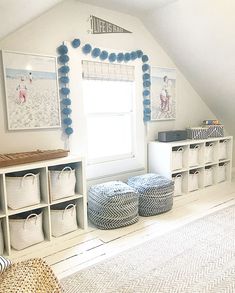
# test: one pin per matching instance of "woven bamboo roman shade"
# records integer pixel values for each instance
(107, 71)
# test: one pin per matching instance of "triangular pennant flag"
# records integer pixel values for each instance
(101, 26)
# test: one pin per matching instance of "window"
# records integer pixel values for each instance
(109, 99)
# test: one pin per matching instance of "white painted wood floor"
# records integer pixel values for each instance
(97, 245)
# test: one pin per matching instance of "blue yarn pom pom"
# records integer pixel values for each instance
(65, 91)
(146, 83)
(145, 67)
(146, 102)
(139, 53)
(76, 43)
(120, 57)
(95, 52)
(112, 57)
(146, 93)
(67, 121)
(146, 76)
(62, 49)
(133, 55)
(69, 130)
(66, 102)
(127, 57)
(63, 58)
(104, 55)
(147, 118)
(147, 111)
(64, 79)
(86, 49)
(145, 58)
(66, 111)
(64, 69)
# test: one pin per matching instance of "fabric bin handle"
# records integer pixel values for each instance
(65, 168)
(178, 176)
(26, 175)
(180, 149)
(30, 216)
(68, 206)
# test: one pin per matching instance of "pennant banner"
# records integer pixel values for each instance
(101, 26)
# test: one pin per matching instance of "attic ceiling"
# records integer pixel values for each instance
(16, 13)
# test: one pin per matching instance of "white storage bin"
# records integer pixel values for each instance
(222, 172)
(62, 183)
(223, 149)
(22, 191)
(193, 180)
(63, 220)
(26, 232)
(194, 155)
(177, 158)
(1, 239)
(208, 176)
(178, 184)
(209, 153)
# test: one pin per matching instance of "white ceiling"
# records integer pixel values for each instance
(16, 13)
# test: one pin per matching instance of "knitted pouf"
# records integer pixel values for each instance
(112, 205)
(155, 193)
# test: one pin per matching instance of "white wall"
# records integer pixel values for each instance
(67, 21)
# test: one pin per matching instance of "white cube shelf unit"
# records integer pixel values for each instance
(193, 164)
(43, 168)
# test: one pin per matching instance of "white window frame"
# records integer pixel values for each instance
(138, 161)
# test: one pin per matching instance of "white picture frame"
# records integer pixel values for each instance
(31, 90)
(163, 93)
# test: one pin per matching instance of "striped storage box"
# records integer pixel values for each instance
(112, 205)
(155, 193)
(215, 130)
(197, 133)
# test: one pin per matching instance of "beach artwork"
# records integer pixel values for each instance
(31, 88)
(163, 93)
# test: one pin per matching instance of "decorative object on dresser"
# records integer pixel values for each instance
(29, 157)
(172, 135)
(195, 164)
(30, 223)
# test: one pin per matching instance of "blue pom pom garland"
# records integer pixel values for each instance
(64, 79)
(104, 55)
(66, 111)
(86, 49)
(95, 52)
(63, 59)
(62, 49)
(64, 69)
(67, 121)
(65, 91)
(120, 57)
(68, 130)
(76, 43)
(145, 58)
(66, 102)
(112, 57)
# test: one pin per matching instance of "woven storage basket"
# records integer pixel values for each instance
(222, 172)
(193, 159)
(1, 239)
(178, 184)
(209, 152)
(62, 183)
(26, 231)
(223, 149)
(208, 176)
(63, 219)
(215, 130)
(177, 158)
(193, 180)
(22, 191)
(197, 132)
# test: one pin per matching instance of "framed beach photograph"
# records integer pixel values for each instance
(163, 93)
(31, 88)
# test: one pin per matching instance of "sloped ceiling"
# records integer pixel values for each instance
(16, 13)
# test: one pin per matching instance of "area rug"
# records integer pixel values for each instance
(198, 257)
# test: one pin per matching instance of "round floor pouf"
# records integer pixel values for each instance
(112, 205)
(155, 193)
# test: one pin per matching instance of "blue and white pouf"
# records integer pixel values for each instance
(112, 205)
(155, 193)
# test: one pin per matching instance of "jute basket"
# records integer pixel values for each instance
(30, 276)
